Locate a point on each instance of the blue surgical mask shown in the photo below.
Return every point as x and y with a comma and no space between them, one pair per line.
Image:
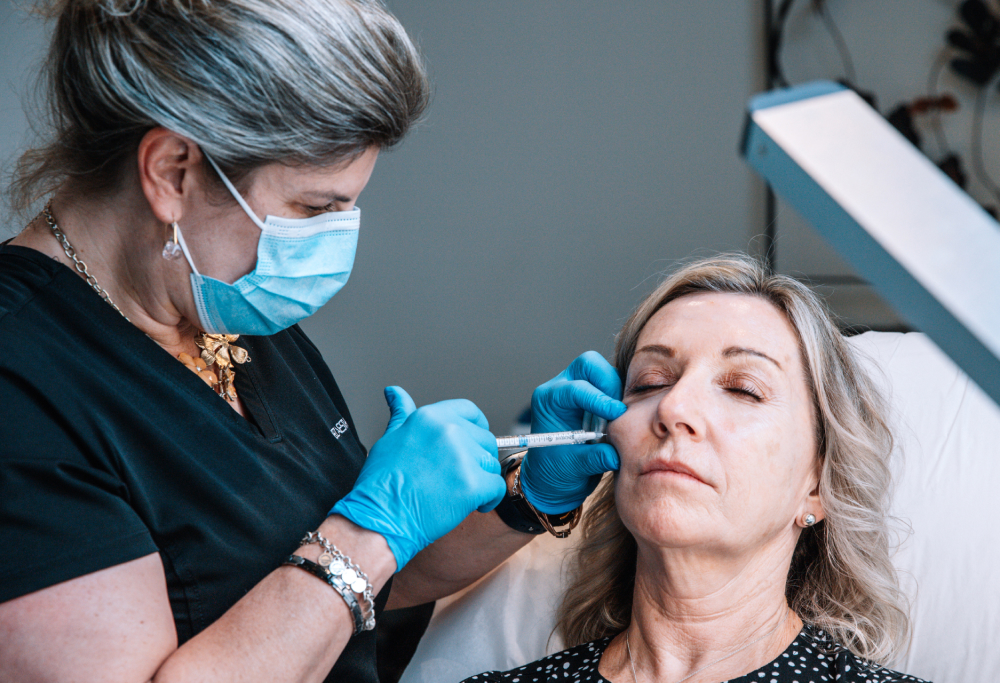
301,264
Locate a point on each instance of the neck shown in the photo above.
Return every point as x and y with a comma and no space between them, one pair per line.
725,615
121,243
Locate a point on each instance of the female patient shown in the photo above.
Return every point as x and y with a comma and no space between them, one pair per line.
745,535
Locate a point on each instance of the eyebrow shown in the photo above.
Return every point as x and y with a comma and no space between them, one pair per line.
744,351
326,197
668,352
658,350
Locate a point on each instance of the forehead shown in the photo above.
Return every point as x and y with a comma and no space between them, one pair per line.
710,322
347,178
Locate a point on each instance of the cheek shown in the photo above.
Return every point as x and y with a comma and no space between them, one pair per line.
619,430
755,452
629,431
764,469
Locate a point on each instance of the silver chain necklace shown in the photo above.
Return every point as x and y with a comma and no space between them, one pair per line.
81,267
628,649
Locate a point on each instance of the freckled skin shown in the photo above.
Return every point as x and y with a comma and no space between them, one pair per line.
756,457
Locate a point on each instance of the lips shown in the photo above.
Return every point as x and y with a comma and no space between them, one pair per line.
668,466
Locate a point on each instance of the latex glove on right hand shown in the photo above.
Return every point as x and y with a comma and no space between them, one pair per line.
429,471
559,479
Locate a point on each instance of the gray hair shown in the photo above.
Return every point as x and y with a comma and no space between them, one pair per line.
312,82
841,577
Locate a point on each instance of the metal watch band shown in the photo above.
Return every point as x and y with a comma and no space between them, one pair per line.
519,514
338,563
334,582
550,521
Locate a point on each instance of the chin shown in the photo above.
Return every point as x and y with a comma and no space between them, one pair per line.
665,520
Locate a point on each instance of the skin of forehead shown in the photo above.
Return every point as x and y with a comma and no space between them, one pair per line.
758,325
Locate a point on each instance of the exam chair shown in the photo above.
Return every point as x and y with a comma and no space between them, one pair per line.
947,472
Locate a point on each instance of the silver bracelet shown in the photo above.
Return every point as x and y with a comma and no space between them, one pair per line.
341,566
336,583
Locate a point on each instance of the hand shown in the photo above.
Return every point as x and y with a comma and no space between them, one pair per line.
428,472
558,479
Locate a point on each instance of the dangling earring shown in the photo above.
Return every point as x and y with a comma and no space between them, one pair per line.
172,249
809,520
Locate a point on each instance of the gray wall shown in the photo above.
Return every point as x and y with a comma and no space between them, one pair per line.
574,150
22,44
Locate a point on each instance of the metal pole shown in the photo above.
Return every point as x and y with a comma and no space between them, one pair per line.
770,201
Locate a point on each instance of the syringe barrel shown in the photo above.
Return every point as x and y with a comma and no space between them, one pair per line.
547,439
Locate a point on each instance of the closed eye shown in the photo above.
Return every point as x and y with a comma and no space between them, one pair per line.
643,385
321,209
642,388
745,391
743,385
650,378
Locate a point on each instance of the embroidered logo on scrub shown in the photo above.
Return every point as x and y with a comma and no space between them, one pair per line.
338,429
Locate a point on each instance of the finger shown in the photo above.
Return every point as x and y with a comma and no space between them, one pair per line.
490,463
594,459
592,367
400,406
483,444
465,409
585,397
494,488
486,440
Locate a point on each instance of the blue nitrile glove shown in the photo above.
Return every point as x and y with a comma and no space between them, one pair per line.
428,472
558,479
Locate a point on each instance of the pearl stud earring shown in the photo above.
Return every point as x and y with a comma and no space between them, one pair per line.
809,520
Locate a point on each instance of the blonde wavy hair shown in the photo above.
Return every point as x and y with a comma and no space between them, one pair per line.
841,578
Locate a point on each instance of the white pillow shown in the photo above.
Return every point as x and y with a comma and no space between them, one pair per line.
947,431
947,479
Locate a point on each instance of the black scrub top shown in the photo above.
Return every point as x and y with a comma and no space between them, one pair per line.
111,449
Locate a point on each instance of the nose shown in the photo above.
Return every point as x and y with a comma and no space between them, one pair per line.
680,412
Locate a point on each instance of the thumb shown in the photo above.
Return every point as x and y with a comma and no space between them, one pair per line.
400,407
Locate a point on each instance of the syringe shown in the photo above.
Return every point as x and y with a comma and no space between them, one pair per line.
546,439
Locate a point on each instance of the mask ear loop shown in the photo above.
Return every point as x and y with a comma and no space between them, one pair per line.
233,191
187,254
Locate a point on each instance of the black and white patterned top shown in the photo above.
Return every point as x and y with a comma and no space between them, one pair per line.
812,657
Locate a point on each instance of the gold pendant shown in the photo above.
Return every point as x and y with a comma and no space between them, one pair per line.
218,350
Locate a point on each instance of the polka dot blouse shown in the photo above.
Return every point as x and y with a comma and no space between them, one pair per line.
812,657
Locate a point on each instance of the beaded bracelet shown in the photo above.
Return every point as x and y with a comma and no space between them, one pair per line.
338,564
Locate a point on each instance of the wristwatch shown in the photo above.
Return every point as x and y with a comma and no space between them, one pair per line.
519,514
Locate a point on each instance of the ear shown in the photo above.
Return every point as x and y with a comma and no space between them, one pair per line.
167,165
813,503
